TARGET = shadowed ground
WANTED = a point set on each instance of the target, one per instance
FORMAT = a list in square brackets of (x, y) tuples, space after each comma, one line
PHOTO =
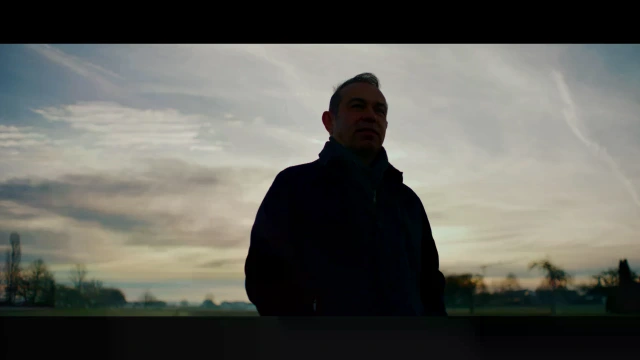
[(576, 310)]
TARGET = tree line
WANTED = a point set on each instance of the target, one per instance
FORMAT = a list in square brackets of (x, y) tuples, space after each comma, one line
[(35, 285), (470, 290)]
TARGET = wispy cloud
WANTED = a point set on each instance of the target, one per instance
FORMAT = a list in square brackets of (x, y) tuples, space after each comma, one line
[(123, 127), (20, 137), (220, 263), (81, 67), (574, 123)]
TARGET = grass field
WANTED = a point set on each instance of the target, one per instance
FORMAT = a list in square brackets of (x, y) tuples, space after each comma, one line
[(124, 312), (577, 310)]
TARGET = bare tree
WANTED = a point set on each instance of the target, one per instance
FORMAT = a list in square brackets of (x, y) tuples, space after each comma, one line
[(511, 283), (92, 290), (554, 278), (12, 268), (147, 298), (37, 282), (465, 287), (610, 277), (78, 276)]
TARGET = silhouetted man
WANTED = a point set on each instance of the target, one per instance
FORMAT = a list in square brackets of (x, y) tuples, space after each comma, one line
[(343, 235)]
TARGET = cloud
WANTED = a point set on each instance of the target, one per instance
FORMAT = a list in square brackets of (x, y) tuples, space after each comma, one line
[(60, 240), (122, 127), (168, 213), (220, 263), (167, 203), (16, 138), (146, 132)]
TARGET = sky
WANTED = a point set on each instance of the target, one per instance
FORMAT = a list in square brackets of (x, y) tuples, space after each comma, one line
[(148, 163)]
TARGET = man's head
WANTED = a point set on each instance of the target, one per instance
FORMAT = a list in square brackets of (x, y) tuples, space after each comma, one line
[(357, 116)]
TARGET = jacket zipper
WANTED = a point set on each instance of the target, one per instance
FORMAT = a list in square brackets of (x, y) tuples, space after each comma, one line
[(375, 227)]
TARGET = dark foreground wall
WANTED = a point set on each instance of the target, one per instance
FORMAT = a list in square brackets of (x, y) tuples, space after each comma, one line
[(511, 338)]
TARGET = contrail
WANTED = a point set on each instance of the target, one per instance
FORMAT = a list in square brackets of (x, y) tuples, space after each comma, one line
[(573, 121)]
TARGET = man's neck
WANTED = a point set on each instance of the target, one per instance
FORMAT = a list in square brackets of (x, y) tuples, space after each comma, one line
[(366, 157)]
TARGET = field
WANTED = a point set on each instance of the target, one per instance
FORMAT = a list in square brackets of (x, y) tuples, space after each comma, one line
[(577, 310), (124, 312), (571, 310)]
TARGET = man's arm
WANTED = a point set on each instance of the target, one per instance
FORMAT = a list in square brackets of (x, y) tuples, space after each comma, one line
[(432, 281), (270, 267)]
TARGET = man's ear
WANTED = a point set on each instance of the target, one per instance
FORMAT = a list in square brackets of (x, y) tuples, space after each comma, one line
[(327, 120)]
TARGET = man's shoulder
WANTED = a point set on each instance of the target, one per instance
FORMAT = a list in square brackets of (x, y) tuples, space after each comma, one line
[(410, 194), (411, 198), (297, 173), (409, 191)]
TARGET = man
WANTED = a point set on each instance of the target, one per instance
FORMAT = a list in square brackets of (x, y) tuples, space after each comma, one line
[(343, 235)]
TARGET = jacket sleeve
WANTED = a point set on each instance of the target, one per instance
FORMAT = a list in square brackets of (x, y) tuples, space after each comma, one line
[(432, 281), (270, 268)]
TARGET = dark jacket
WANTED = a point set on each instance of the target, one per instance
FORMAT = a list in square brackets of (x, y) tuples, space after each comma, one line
[(334, 237)]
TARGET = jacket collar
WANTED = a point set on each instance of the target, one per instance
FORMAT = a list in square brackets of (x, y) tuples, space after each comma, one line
[(334, 153)]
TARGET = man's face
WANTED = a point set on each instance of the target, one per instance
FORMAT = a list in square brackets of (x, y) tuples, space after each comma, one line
[(361, 122)]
